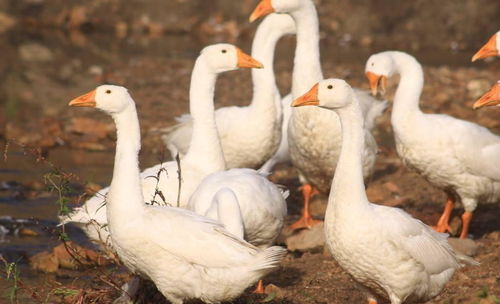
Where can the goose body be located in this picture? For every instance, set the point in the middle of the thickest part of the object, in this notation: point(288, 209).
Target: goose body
point(457, 156)
point(249, 135)
point(186, 255)
point(204, 156)
point(314, 133)
point(384, 249)
point(262, 205)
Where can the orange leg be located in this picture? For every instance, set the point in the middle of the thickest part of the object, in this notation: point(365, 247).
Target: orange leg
point(306, 221)
point(443, 225)
point(372, 301)
point(260, 288)
point(466, 218)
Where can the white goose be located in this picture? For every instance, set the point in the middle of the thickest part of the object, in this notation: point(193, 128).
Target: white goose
point(313, 133)
point(457, 156)
point(186, 255)
point(205, 153)
point(384, 249)
point(262, 205)
point(249, 135)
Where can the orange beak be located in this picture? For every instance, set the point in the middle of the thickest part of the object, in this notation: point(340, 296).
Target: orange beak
point(86, 100)
point(263, 8)
point(247, 61)
point(308, 99)
point(488, 50)
point(376, 81)
point(490, 98)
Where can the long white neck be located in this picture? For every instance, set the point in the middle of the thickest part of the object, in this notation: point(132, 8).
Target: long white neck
point(348, 189)
point(205, 149)
point(407, 97)
point(125, 198)
point(307, 65)
point(264, 82)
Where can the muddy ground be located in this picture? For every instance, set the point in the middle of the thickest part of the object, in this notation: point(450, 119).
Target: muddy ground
point(43, 67)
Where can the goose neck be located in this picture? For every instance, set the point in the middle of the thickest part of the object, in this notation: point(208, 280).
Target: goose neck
point(125, 198)
point(307, 66)
point(264, 82)
point(348, 190)
point(407, 97)
point(205, 149)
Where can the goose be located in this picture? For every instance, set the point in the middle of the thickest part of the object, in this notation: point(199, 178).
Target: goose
point(246, 203)
point(490, 98)
point(457, 156)
point(204, 156)
point(387, 251)
point(251, 134)
point(314, 133)
point(491, 48)
point(186, 255)
point(262, 205)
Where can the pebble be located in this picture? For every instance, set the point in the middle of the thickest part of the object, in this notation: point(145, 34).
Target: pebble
point(35, 52)
point(477, 87)
point(306, 239)
point(464, 246)
point(279, 293)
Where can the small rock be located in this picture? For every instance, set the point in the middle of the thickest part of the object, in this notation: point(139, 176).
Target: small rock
point(318, 205)
point(392, 187)
point(375, 194)
point(88, 145)
point(366, 41)
point(92, 188)
point(495, 236)
point(6, 22)
point(44, 261)
point(121, 29)
point(84, 125)
point(477, 87)
point(464, 246)
point(77, 16)
point(306, 239)
point(278, 292)
point(34, 52)
point(455, 225)
point(27, 232)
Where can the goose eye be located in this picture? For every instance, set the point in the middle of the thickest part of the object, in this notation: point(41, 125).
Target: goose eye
point(330, 87)
point(224, 51)
point(373, 64)
point(108, 91)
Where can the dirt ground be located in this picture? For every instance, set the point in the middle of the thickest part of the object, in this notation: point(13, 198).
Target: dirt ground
point(35, 90)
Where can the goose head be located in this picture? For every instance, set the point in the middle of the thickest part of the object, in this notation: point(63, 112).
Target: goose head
point(266, 7)
point(490, 98)
point(329, 93)
point(491, 48)
point(108, 98)
point(378, 68)
point(224, 57)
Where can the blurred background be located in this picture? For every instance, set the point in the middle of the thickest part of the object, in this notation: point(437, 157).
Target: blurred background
point(54, 50)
